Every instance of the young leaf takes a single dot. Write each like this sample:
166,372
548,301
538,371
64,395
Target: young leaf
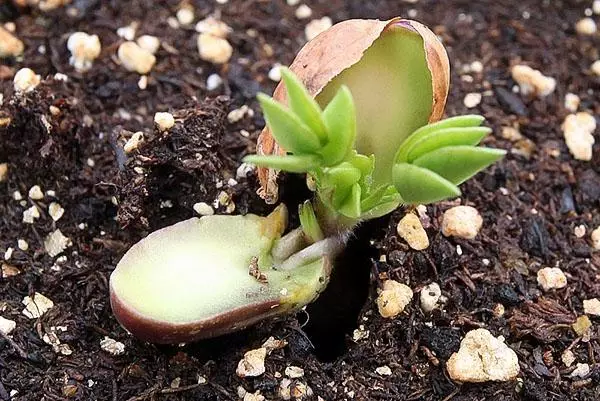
289,163
459,163
419,185
382,208
447,137
303,104
343,175
471,120
309,222
340,121
374,198
351,205
291,133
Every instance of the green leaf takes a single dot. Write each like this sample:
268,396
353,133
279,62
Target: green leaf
373,198
309,222
470,120
446,137
364,163
351,205
287,128
419,185
340,121
459,163
382,208
303,104
343,175
290,163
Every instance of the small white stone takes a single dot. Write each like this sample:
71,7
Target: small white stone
60,77
7,325
393,298
317,26
55,243
275,73
360,334
84,50
293,2
577,130
134,58
482,358
596,7
581,370
213,82
294,372
591,306
127,32
134,142
272,344
568,358
214,49
253,363
551,278
237,115
8,253
149,43
595,237
411,230
164,121
462,222
143,82
303,12
243,170
586,26
533,81
203,209
112,346
579,231
430,297
214,27
26,80
22,244
36,193
256,396
185,15
29,215
512,134
10,45
36,306
383,370
472,100
477,66
55,211
572,102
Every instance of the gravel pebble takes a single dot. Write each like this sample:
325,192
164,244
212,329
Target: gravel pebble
462,222
253,363
393,298
551,278
411,230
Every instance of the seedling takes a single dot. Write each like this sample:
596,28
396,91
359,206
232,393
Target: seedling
368,148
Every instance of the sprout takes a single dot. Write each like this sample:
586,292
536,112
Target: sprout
368,144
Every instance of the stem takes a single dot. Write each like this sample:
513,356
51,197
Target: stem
329,247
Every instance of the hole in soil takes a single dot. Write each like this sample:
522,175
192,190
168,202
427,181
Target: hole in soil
335,313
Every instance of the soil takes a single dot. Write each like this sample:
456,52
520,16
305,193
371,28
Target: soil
531,202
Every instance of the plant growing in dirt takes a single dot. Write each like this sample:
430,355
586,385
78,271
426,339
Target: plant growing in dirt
362,121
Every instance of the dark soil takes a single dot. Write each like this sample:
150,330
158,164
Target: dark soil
530,204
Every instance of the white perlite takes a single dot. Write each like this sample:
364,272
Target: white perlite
533,81
430,296
214,27
134,142
275,73
10,45
595,67
213,82
26,80
135,58
294,372
568,358
551,278
149,43
316,26
7,325
462,222
238,114
393,298
22,244
591,306
214,49
36,193
55,243
36,305
111,346
164,121
84,50
55,211
595,237
185,15
253,363
472,100
586,26
572,102
29,215
577,130
303,12
482,358
581,370
203,209
384,370
411,230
